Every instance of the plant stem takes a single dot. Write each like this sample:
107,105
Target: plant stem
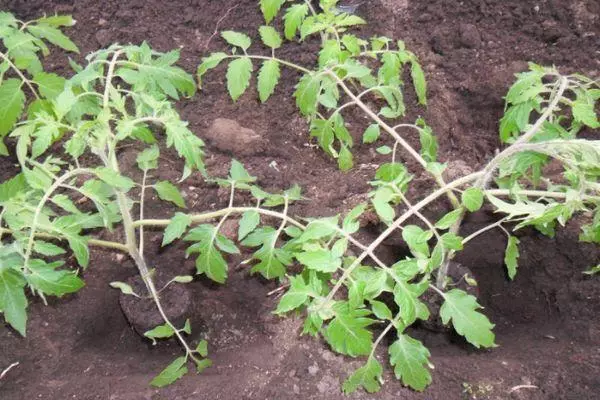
20,74
482,230
438,177
279,60
142,196
93,242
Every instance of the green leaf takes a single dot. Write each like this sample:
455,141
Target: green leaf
584,112
53,35
209,261
385,150
367,377
293,18
410,359
57,20
174,371
511,256
380,310
168,192
47,249
406,296
461,308
371,133
123,287
472,199
267,79
515,120
248,223
209,63
238,76
80,248
114,179
319,260
187,328
237,39
298,293
347,333
148,159
452,241
449,219
11,187
307,93
270,37
45,278
202,348
270,8
12,102
345,162
13,302
160,332
50,85
176,228
418,78
593,270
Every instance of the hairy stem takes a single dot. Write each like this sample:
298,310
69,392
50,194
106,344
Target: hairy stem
20,74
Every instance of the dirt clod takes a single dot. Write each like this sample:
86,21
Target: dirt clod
229,136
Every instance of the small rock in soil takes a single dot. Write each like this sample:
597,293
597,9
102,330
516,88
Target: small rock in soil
469,36
103,37
229,136
313,369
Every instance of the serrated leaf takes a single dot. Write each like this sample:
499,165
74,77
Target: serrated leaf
367,377
209,261
47,249
319,260
452,241
307,93
12,187
12,102
267,79
176,228
79,246
270,37
296,296
238,173
511,255
472,199
238,76
209,63
347,333
461,308
410,359
168,192
45,278
584,112
418,78
371,133
53,35
294,16
13,302
174,371
114,179
248,223
148,159
237,39
270,8
50,85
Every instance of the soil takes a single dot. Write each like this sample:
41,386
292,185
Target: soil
82,347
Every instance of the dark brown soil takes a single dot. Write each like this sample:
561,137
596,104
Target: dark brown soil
81,347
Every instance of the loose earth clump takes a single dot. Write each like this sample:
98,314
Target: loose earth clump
546,319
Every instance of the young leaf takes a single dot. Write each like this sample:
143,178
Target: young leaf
452,241
148,159
267,79
123,287
307,92
78,245
511,256
583,111
472,199
461,308
12,101
418,78
160,332
202,348
47,249
449,219
248,223
169,192
270,8
319,260
293,19
347,333
371,133
296,296
176,228
410,359
238,76
12,299
380,310
237,39
53,35
11,187
208,63
50,85
114,179
367,377
209,261
270,37
174,371
345,162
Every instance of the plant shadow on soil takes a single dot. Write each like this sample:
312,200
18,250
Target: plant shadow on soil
82,347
